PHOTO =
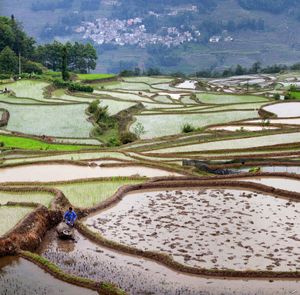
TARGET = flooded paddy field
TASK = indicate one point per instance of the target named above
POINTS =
(142, 276)
(242, 128)
(21, 277)
(10, 216)
(285, 110)
(210, 228)
(288, 184)
(60, 172)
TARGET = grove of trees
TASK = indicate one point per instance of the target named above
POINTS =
(15, 44)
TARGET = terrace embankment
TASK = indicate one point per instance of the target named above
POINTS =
(28, 234)
(207, 228)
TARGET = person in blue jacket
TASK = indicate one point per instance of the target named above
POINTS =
(70, 216)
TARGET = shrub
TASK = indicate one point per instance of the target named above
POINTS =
(128, 137)
(114, 141)
(139, 129)
(97, 131)
(4, 76)
(79, 87)
(32, 67)
(187, 128)
(59, 83)
(93, 106)
(277, 96)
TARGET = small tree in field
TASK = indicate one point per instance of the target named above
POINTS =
(64, 70)
(139, 129)
(8, 61)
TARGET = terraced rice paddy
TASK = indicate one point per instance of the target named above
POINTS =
(209, 233)
(21, 277)
(27, 88)
(284, 110)
(30, 197)
(292, 185)
(240, 143)
(57, 172)
(242, 128)
(50, 120)
(188, 84)
(224, 229)
(163, 125)
(90, 260)
(10, 216)
(88, 194)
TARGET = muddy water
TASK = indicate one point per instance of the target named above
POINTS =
(21, 277)
(224, 229)
(142, 276)
(59, 172)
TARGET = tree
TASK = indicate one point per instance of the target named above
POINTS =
(139, 129)
(256, 67)
(50, 55)
(8, 61)
(64, 70)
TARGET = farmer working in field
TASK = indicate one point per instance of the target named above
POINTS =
(70, 216)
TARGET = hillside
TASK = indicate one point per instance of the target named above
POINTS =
(173, 35)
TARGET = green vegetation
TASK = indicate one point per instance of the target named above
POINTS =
(88, 194)
(294, 95)
(91, 77)
(105, 125)
(26, 197)
(34, 144)
(15, 44)
(187, 128)
(10, 216)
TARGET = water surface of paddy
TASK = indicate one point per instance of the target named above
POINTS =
(60, 172)
(21, 277)
(284, 110)
(142, 276)
(220, 228)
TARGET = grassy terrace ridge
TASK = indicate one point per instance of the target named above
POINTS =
(91, 77)
(25, 143)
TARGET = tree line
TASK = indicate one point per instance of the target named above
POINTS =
(239, 70)
(16, 48)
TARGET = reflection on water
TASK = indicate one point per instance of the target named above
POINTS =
(59, 172)
(21, 277)
(142, 276)
(220, 228)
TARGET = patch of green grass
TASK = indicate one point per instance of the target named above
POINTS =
(34, 144)
(26, 197)
(91, 77)
(10, 216)
(295, 94)
(88, 194)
